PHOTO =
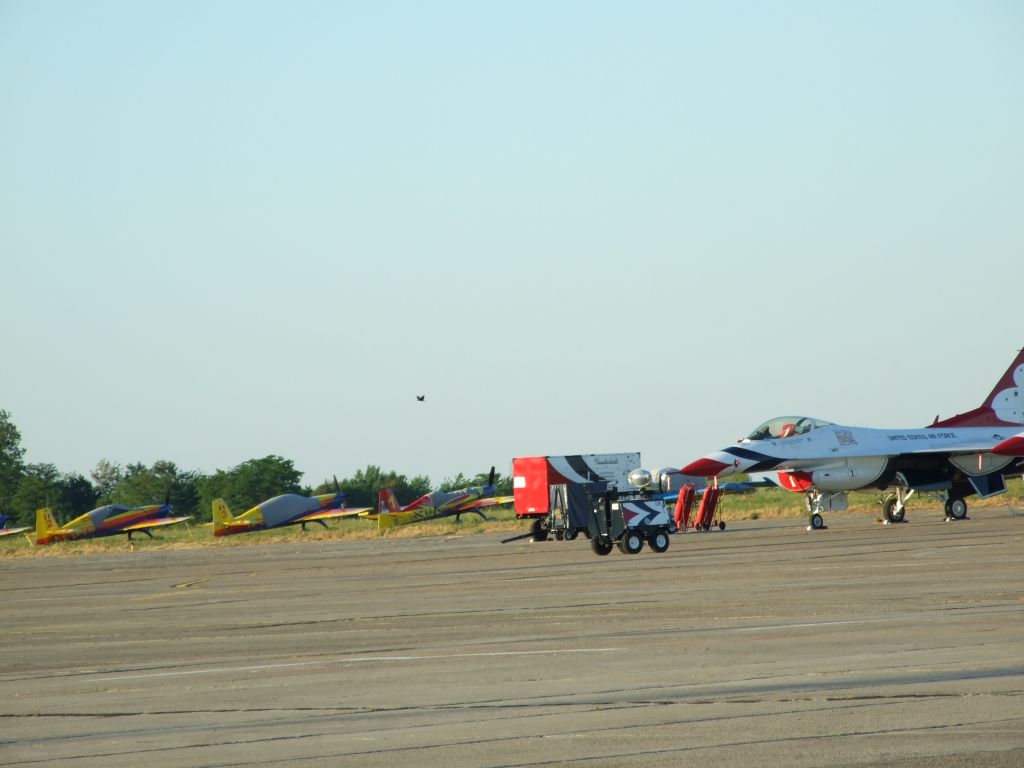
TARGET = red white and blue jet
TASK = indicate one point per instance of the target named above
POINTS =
(971, 453)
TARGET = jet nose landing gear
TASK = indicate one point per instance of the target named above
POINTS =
(817, 501)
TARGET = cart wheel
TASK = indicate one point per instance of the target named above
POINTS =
(600, 546)
(632, 542)
(540, 530)
(571, 533)
(721, 525)
(659, 541)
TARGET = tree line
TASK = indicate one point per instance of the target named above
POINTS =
(24, 488)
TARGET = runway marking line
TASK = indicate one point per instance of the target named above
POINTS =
(356, 660)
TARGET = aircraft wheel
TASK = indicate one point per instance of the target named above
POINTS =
(956, 508)
(721, 525)
(889, 510)
(632, 542)
(600, 546)
(571, 534)
(659, 541)
(540, 530)
(817, 521)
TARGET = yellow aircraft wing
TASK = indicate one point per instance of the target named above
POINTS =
(12, 531)
(493, 501)
(153, 523)
(333, 514)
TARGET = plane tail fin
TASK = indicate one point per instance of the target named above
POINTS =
(46, 525)
(387, 507)
(387, 504)
(1003, 406)
(221, 517)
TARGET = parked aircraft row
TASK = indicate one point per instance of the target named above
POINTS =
(970, 453)
(287, 509)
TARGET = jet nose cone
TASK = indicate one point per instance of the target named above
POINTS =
(705, 467)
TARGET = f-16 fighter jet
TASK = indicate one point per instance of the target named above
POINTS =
(971, 453)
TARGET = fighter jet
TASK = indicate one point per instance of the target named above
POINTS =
(971, 453)
(437, 504)
(104, 521)
(288, 509)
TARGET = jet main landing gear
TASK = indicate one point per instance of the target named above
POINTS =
(956, 509)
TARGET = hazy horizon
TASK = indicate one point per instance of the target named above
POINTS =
(233, 230)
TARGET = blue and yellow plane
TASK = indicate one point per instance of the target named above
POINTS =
(288, 509)
(104, 521)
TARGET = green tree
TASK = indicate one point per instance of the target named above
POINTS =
(11, 465)
(142, 485)
(502, 484)
(78, 495)
(458, 482)
(361, 489)
(68, 496)
(39, 487)
(105, 478)
(246, 485)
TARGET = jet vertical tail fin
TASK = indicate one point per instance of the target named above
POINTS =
(1004, 404)
(46, 525)
(221, 517)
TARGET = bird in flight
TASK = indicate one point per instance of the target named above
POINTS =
(421, 398)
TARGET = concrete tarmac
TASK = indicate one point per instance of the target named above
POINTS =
(861, 645)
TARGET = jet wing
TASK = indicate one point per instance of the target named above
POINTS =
(334, 514)
(12, 531)
(154, 523)
(493, 501)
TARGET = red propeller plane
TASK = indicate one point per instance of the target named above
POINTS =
(437, 504)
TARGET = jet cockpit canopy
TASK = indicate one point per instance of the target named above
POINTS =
(786, 426)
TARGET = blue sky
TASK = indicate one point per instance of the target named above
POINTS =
(232, 229)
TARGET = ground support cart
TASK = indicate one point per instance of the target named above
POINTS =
(610, 518)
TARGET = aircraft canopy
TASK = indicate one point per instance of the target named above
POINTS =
(786, 426)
